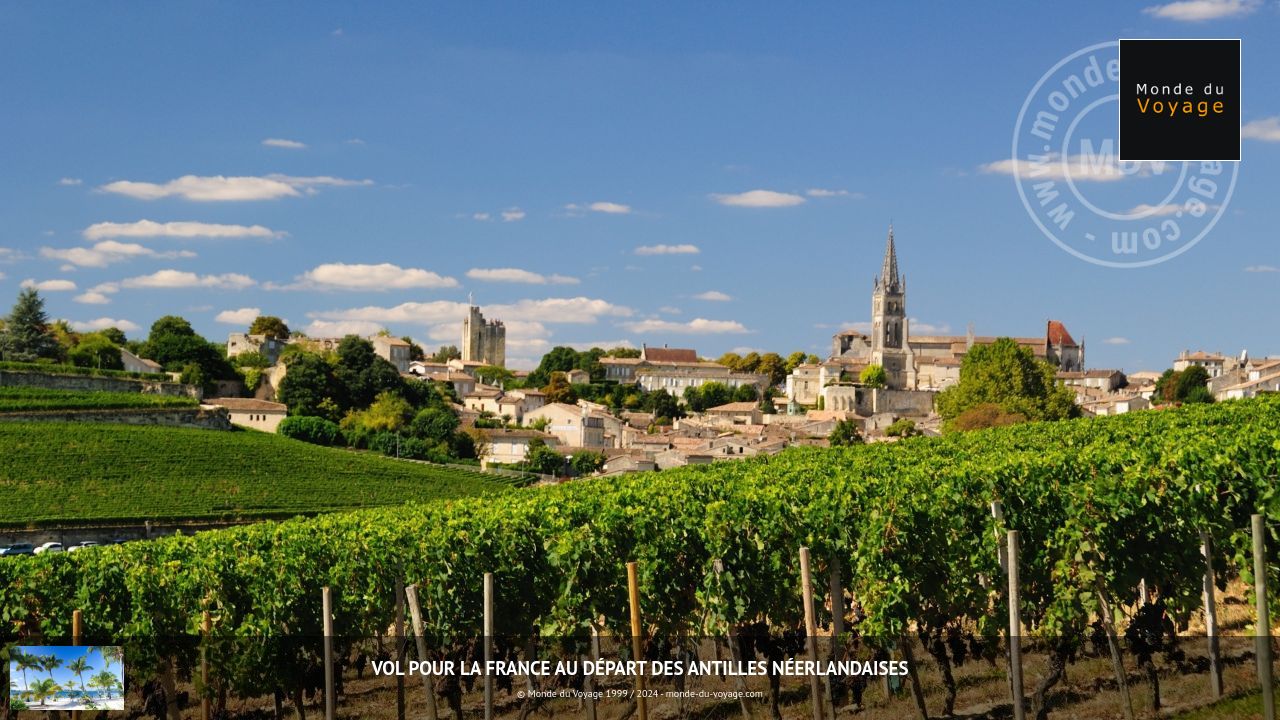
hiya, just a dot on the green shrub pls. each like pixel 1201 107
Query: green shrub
pixel 314 430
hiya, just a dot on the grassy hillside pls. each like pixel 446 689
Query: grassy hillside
pixel 22 399
pixel 56 473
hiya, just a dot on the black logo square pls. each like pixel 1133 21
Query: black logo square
pixel 1179 100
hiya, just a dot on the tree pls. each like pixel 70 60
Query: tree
pixel 24 662
pixel 269 325
pixel 493 375
pixel 586 462
pixel 774 366
pixel 388 413
pixel 314 430
pixel 986 415
pixel 27 335
pixel 558 390
pixel 663 405
pixel 79 667
pixel 44 689
pixel 310 387
pixel 434 423
pixel 1192 385
pixel 106 681
pixel 363 373
pixel 902 427
pixel 95 350
pixel 445 354
pixel 845 433
pixel 709 395
pixel 1009 376
pixel 415 350
pixel 873 376
pixel 745 393
pixel 175 345
pixel 766 402
pixel 795 360
pixel 558 359
pixel 115 335
pixel 543 460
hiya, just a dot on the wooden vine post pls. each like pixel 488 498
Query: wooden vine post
pixel 811 632
pixel 836 595
pixel 1211 616
pixel 77 637
pixel 637 639
pixel 488 645
pixel 1263 630
pixel 428 680
pixel 1015 628
pixel 330 699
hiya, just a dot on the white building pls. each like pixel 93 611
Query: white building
pixel 257 414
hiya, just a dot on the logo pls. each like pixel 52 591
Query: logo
pixel 1067 168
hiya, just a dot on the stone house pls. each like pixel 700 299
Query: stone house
pixel 247 412
pixel 510 447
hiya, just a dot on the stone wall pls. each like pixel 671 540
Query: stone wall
pixel 204 417
pixel 89 383
pixel 105 532
pixel 902 402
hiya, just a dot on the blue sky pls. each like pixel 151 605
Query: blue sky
pixel 62 676
pixel 353 166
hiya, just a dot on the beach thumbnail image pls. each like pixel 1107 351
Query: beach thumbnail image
pixel 66 678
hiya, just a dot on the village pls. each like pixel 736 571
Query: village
pixel 873 387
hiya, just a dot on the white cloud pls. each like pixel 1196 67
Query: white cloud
pixel 107 252
pixel 219 188
pixel 575 310
pixel 1262 269
pixel 915 326
pixel 512 214
pixel 1267 129
pixel 516 275
pixel 179 279
pixel 92 297
pixel 354 141
pixel 49 285
pixel 150 228
pixel 9 255
pixel 758 199
pixel 667 250
pixel 1197 10
pixel 697 326
pixel 825 193
pixel 713 296
pixel 1116 341
pixel 70 181
pixel 2 276
pixel 1162 210
pixel 670 310
pixel 1080 168
pixel 481 216
pixel 283 143
pixel 603 344
pixel 384 276
pixel 341 328
pixel 610 207
pixel 103 323
pixel 243 316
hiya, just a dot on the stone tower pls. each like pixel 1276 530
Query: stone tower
pixel 889 347
pixel 483 340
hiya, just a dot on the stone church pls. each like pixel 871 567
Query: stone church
pixel 913 362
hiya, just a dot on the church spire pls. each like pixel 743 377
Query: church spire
pixel 889 278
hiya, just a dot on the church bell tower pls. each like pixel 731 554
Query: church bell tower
pixel 889 348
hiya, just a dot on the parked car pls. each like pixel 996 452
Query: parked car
pixel 49 547
pixel 18 549
pixel 82 545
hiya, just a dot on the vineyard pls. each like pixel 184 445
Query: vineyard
pixel 76 370
pixel 68 474
pixel 25 399
pixel 1102 506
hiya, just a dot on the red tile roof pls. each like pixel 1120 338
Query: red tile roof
pixel 1058 334
pixel 669 354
